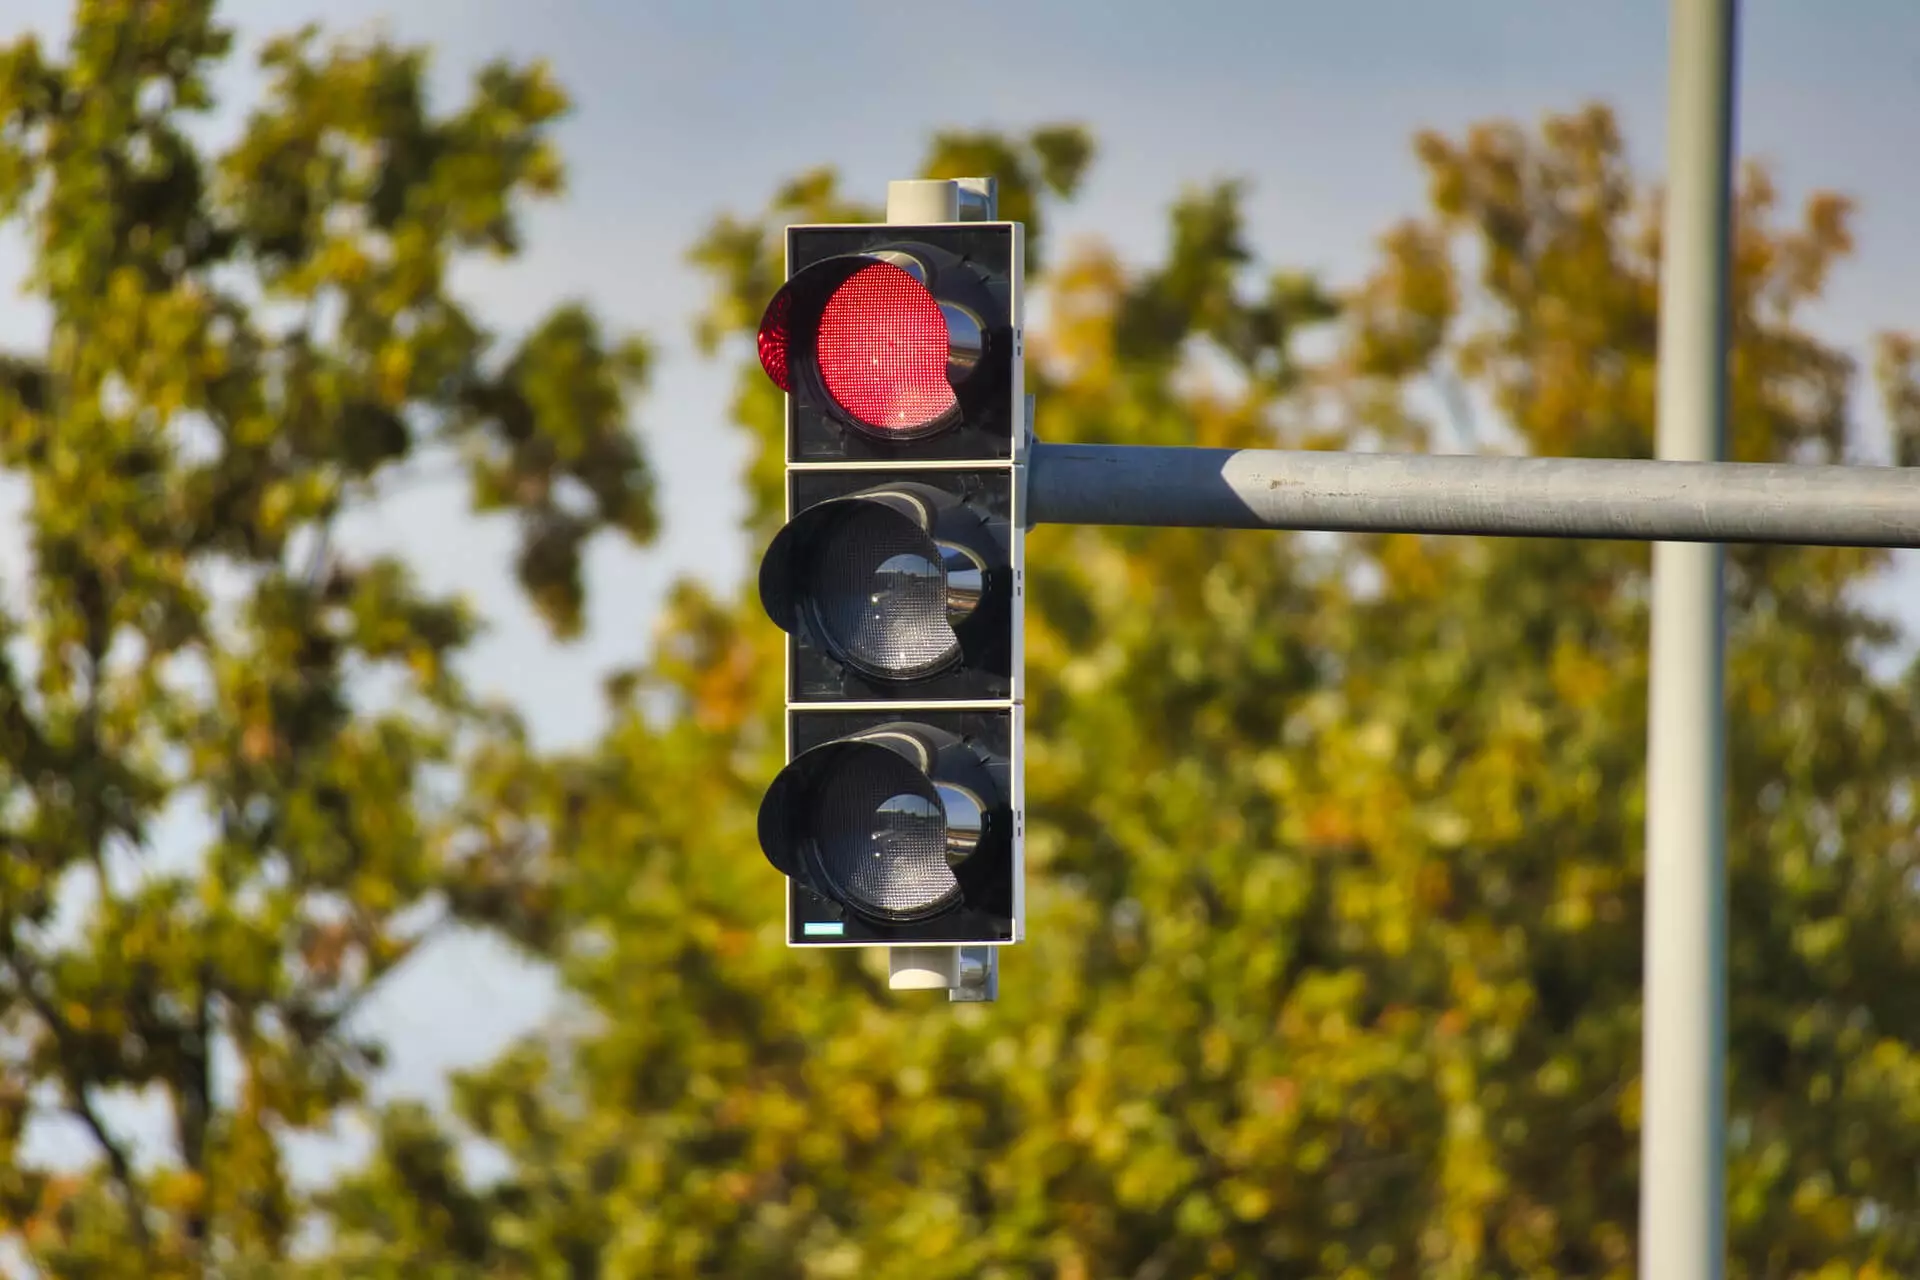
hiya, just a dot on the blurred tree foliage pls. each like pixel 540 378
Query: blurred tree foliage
pixel 1335 843
pixel 243 349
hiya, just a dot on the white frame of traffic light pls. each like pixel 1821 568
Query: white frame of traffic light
pixel 914 965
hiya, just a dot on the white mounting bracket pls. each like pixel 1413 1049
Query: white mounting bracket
pixel 969 975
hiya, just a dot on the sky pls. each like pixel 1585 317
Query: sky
pixel 689 108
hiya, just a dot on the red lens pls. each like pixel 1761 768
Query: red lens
pixel 883 350
pixel 773 340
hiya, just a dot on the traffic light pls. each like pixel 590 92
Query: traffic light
pixel 897 578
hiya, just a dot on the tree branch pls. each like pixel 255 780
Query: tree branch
pixel 91 759
pixel 116 1159
pixel 81 1100
pixel 193 1104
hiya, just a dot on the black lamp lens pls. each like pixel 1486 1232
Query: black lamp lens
pixel 878 595
pixel 882 842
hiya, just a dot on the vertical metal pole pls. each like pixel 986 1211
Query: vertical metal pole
pixel 1683 1080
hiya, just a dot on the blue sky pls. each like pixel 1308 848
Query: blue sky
pixel 686 108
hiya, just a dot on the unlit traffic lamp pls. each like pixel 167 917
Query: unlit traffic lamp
pixel 899 824
pixel 897 579
pixel 902 589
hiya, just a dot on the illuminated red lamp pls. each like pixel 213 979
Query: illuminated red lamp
pixel 773 340
pixel 883 350
pixel 865 336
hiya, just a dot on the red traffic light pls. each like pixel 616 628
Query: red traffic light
pixel 882 340
pixel 883 350
pixel 897 580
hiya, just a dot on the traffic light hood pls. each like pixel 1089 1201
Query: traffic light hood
pixel 897 823
pixel 888 341
pixel 899 582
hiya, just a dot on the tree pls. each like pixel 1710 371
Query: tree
pixel 1335 910
pixel 1335 843
pixel 244 350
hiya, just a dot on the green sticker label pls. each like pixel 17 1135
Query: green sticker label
pixel 823 928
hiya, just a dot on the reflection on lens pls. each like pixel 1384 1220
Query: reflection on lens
pixel 904 584
pixel 878 593
pixel 885 847
pixel 963 817
pixel 902 824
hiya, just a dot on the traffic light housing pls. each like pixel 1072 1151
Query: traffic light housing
pixel 898 580
pixel 895 588
pixel 896 828
pixel 898 344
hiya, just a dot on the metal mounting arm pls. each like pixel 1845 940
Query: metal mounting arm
pixel 1645 501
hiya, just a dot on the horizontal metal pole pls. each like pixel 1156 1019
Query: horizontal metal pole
pixel 1444 493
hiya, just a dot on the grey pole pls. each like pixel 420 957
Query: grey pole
pixel 1635 499
pixel 1683 1052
